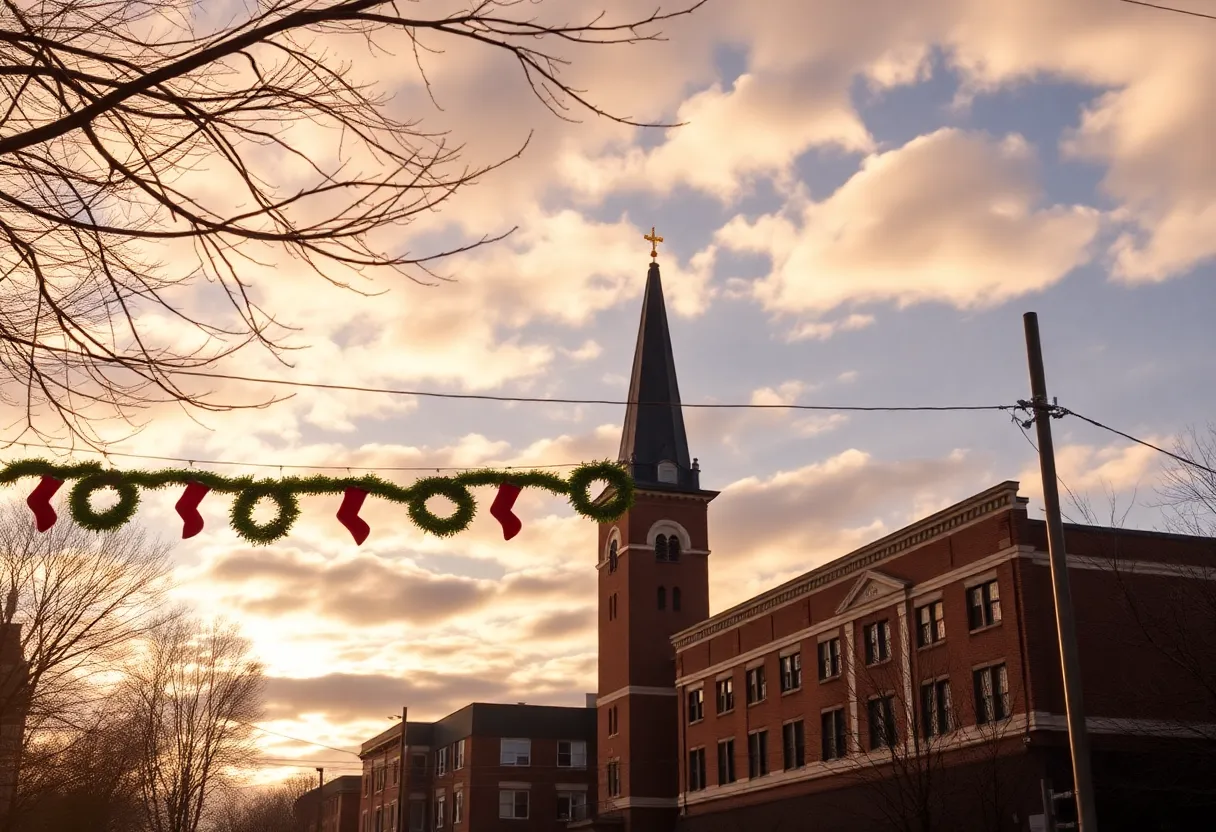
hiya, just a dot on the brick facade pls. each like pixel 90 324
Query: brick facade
pixel 458 776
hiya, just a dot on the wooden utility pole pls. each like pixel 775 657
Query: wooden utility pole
pixel 1066 629
pixel 320 799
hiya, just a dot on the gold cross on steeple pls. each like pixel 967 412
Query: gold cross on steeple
pixel 654 241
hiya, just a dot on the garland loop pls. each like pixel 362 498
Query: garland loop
pixel 264 533
pixel 113 517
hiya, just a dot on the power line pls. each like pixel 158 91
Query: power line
pixel 314 385
pixel 296 739
pixel 1066 412
pixel 272 465
pixel 1170 9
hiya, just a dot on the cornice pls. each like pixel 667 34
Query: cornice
pixel 999 498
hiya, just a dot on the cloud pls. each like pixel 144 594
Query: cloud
pixel 823 330
pixel 771 528
pixel 1094 472
pixel 950 216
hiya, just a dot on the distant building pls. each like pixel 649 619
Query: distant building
pixel 485 767
pixel 14 701
pixel 333 807
pixel 929 655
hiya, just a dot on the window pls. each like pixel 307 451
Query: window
pixel 936 709
pixel 882 722
pixel 791 672
pixel 396 770
pixel 696 705
pixel 571 754
pixel 614 779
pixel 991 694
pixel 757 689
pixel 612 607
pixel 367 785
pixel 378 822
pixel 662 598
pixel 441 762
pixel 367 822
pixel 418 761
pixel 832 727
pixel 726 695
pixel 675 599
pixel 439 804
pixel 417 816
pixel 829 659
pixel 932 627
pixel 696 770
pixel 878 641
pixel 457 807
pixel 793 744
pixel 513 804
pixel 515 753
pixel 660 547
pixel 726 762
pixel 673 548
pixel 458 755
pixel 571 806
pixel 612 556
pixel 984 605
pixel 612 721
pixel 757 754
pixel 378 773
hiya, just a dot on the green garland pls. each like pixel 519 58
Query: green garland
pixel 285 491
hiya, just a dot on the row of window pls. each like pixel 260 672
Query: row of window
pixel 666 548
pixel 675 598
pixel 985 610
pixel 512 752
pixel 991 690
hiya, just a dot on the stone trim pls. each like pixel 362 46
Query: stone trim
pixel 634 690
pixel 999 498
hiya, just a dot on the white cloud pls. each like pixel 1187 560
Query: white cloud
pixel 950 216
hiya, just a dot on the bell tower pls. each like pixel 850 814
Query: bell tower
pixel 653 582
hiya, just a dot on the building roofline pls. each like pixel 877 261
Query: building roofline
pixel 1000 497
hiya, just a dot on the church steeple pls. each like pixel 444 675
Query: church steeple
pixel 653 440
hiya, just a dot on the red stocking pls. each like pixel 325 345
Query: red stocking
pixel 40 503
pixel 348 514
pixel 500 510
pixel 187 509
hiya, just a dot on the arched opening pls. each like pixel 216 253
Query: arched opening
pixel 612 547
pixel 660 547
pixel 673 548
pixel 675 599
pixel 662 598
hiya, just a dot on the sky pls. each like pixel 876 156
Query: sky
pixel 863 201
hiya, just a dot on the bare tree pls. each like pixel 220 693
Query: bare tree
pixel 269 809
pixel 119 119
pixel 925 750
pixel 192 698
pixel 76 601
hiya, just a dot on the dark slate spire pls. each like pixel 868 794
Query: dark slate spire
pixel 654 434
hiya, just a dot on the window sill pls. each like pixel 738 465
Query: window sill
pixel 791 690
pixel 690 722
pixel 986 627
pixel 727 712
pixel 931 645
pixel 757 702
pixel 827 679
pixel 879 663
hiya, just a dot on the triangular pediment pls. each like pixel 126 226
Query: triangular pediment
pixel 871 585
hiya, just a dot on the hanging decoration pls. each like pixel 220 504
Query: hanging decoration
pixel 284 494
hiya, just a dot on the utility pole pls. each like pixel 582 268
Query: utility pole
pixel 1066 629
pixel 402 807
pixel 320 800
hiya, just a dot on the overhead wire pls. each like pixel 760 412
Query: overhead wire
pixel 296 739
pixel 1170 9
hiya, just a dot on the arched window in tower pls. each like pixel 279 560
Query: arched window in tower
pixel 662 598
pixel 675 599
pixel 660 547
pixel 612 547
pixel 673 548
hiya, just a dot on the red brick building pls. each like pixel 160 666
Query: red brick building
pixel 914 683
pixel 332 807
pixel 484 768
